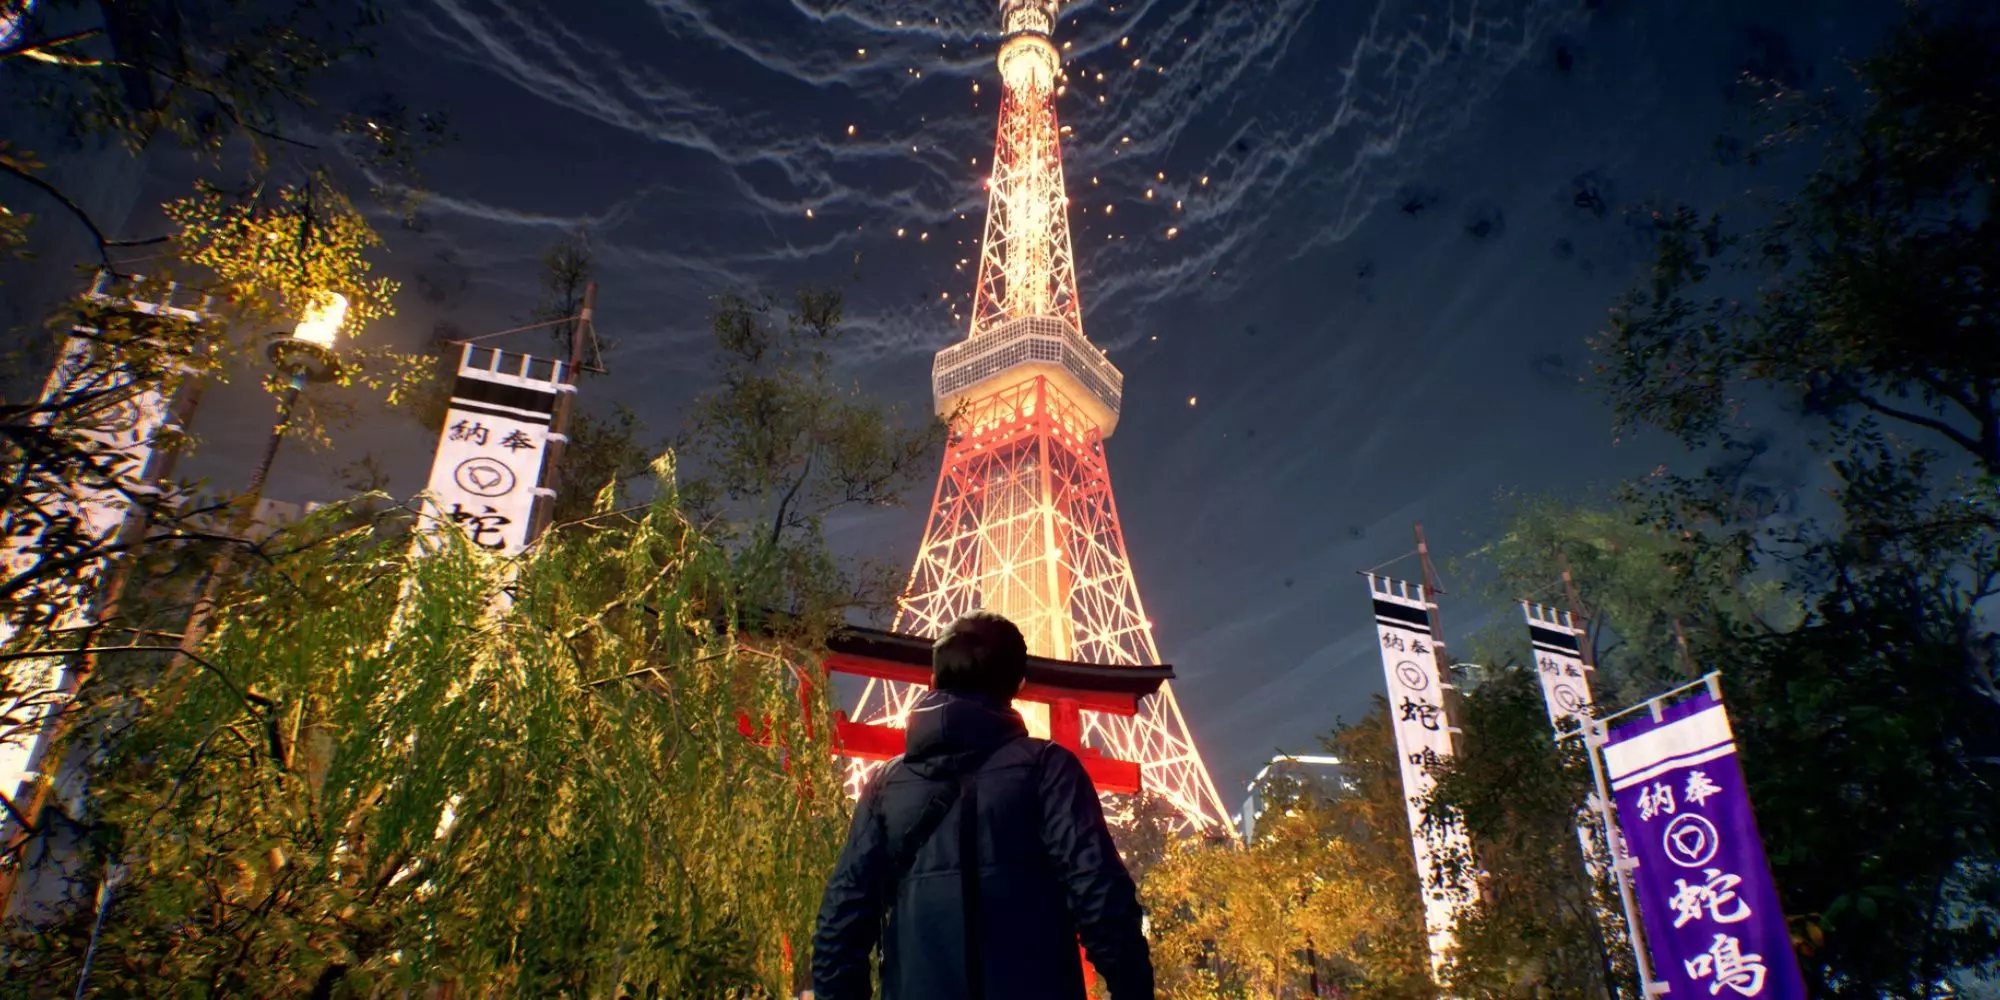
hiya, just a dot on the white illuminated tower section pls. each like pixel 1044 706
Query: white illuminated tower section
pixel 1024 522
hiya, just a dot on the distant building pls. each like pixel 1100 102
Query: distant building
pixel 1320 767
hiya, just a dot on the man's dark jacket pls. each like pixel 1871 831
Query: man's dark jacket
pixel 1048 872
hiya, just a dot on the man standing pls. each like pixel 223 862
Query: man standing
pixel 980 857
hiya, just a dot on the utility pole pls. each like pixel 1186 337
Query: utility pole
pixel 1449 698
pixel 581 331
pixel 1587 648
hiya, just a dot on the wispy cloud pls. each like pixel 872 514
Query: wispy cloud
pixel 825 130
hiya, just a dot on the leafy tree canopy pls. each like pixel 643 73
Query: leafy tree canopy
pixel 391 770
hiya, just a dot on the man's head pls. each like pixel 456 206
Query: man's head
pixel 983 654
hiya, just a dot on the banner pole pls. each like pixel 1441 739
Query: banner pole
pixel 1594 739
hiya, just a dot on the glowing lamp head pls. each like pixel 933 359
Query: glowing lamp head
pixel 322 319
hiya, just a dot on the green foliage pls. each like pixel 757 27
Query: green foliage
pixel 565 277
pixel 1329 887
pixel 1536 929
pixel 212 77
pixel 1869 715
pixel 603 452
pixel 380 774
pixel 218 78
pixel 780 444
pixel 1872 774
pixel 1868 759
pixel 69 442
pixel 1874 292
pixel 284 250
pixel 1646 587
pixel 1393 961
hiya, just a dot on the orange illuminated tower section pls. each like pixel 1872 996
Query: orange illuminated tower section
pixel 1024 522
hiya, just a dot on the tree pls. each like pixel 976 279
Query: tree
pixel 218 78
pixel 778 445
pixel 71 449
pixel 1536 929
pixel 383 776
pixel 603 451
pixel 1874 315
pixel 1328 890
pixel 1392 959
pixel 607 450
pixel 134 74
pixel 1862 752
pixel 211 76
pixel 264 234
pixel 1872 299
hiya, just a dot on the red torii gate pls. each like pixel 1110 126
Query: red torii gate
pixel 1068 689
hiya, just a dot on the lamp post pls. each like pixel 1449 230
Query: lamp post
pixel 305 356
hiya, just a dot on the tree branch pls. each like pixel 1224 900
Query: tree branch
pixel 1991 463
pixel 778 523
pixel 48 568
pixel 251 703
pixel 104 243
pixel 30 49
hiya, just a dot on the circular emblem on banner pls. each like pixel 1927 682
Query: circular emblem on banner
pixel 1567 699
pixel 1690 841
pixel 484 477
pixel 120 419
pixel 1412 676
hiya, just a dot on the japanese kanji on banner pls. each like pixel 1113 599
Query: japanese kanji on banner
pixel 1710 912
pixel 1559 661
pixel 1558 648
pixel 1423 739
pixel 127 416
pixel 488 469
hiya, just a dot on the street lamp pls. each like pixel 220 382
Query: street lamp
pixel 305 355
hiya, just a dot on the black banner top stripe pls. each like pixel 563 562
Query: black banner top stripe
pixel 1562 641
pixel 479 390
pixel 1404 615
pixel 493 411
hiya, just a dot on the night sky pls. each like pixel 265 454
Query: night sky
pixel 1374 310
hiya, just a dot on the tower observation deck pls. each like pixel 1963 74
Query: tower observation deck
pixel 1024 522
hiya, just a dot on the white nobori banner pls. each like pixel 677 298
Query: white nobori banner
pixel 488 470
pixel 1557 642
pixel 117 416
pixel 1558 646
pixel 1423 740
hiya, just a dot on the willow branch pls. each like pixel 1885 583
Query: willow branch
pixel 250 702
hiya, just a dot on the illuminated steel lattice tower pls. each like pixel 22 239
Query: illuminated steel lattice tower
pixel 1024 522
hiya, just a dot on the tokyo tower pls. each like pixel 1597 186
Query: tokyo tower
pixel 1024 522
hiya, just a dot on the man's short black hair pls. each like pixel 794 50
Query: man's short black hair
pixel 981 653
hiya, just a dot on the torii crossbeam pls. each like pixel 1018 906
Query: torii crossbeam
pixel 1066 687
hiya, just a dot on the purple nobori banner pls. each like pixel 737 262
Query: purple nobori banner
pixel 1709 909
